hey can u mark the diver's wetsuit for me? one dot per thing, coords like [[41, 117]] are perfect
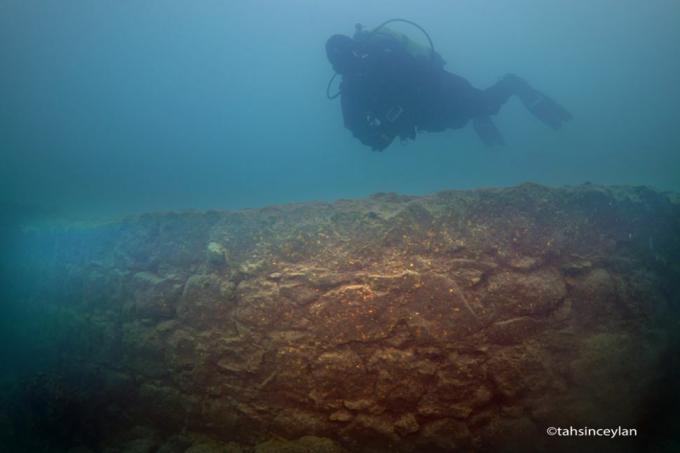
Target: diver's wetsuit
[[389, 92]]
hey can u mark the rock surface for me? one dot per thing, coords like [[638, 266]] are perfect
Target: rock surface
[[461, 321]]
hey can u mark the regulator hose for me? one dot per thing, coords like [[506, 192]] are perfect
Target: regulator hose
[[410, 22], [375, 30], [328, 87]]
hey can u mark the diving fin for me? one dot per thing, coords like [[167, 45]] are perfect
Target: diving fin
[[487, 131], [545, 109]]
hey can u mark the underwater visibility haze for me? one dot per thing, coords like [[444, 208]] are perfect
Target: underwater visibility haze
[[115, 107], [473, 248]]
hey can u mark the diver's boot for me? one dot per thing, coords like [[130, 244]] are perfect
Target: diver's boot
[[544, 108], [487, 131]]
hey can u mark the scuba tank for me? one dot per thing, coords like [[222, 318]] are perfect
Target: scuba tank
[[410, 46], [382, 32]]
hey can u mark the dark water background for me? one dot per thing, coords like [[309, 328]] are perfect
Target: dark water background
[[115, 107]]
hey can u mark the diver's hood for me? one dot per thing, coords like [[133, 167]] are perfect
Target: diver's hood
[[339, 52]]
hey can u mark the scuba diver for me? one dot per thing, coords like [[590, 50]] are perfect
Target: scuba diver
[[393, 87]]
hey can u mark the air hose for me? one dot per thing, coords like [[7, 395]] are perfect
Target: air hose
[[375, 30], [406, 21]]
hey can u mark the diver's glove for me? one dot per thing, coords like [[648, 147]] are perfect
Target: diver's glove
[[376, 132]]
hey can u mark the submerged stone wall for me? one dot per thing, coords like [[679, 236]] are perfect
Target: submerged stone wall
[[461, 321]]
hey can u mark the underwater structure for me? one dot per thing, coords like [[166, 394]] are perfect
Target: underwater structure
[[467, 321]]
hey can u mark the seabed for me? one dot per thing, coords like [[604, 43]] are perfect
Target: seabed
[[464, 321]]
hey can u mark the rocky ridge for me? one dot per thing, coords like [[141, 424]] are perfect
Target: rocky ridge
[[460, 321]]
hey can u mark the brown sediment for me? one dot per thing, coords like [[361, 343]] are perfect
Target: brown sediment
[[460, 321]]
